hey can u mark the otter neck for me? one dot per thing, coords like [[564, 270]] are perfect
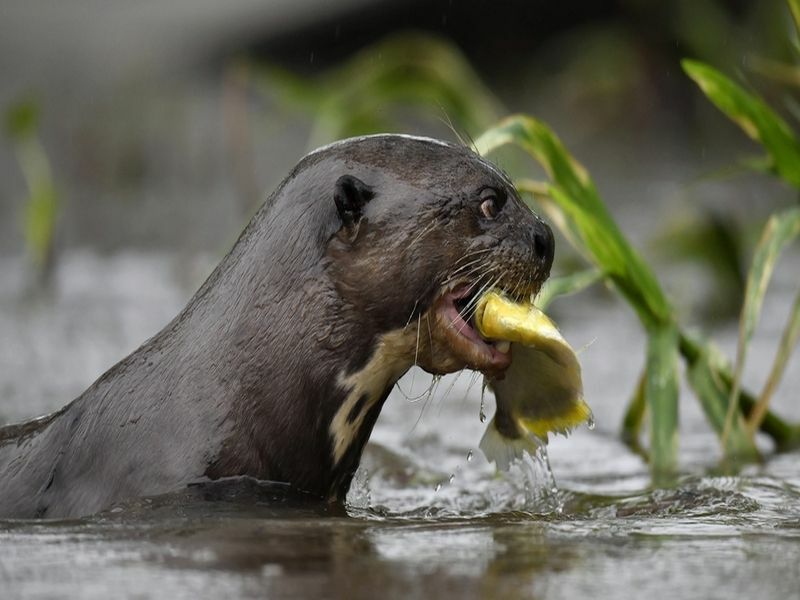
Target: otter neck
[[366, 390], [313, 433]]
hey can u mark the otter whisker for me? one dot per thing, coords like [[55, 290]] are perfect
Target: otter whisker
[[470, 257], [415, 399], [430, 392], [470, 274], [472, 381], [430, 335], [472, 254], [459, 136], [416, 353], [469, 310], [449, 389], [463, 312], [468, 265], [424, 232], [471, 306], [520, 282], [411, 316]]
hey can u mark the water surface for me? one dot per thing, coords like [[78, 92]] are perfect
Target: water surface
[[427, 516]]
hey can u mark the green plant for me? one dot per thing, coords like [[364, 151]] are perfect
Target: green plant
[[41, 206], [782, 146], [406, 75]]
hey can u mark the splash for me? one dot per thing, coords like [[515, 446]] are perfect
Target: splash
[[533, 485], [482, 411], [360, 495]]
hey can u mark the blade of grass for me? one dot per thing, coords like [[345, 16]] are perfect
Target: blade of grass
[[785, 435], [41, 208], [661, 392], [633, 419], [753, 115], [781, 228], [564, 286], [788, 341], [704, 376], [794, 7]]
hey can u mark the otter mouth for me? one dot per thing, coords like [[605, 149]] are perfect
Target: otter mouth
[[454, 312]]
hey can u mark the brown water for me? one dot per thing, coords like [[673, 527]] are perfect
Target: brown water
[[427, 516]]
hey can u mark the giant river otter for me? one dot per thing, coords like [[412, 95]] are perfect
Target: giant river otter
[[361, 264]]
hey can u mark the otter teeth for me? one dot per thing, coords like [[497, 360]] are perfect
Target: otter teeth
[[503, 346]]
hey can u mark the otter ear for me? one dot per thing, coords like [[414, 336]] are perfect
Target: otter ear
[[351, 195]]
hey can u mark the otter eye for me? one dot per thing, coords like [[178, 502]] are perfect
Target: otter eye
[[490, 204]]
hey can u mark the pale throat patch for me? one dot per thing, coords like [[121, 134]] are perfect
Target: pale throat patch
[[393, 356]]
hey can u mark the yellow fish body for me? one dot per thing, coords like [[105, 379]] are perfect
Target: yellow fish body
[[542, 390]]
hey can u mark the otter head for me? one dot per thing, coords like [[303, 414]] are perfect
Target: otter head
[[425, 227]]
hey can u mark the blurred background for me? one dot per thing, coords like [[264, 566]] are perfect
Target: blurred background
[[140, 137], [165, 123]]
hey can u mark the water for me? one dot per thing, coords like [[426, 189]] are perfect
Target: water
[[427, 516]]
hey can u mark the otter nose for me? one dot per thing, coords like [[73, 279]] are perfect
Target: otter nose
[[544, 244]]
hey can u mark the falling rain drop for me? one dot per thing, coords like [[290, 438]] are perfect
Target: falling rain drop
[[452, 477], [438, 487], [469, 456]]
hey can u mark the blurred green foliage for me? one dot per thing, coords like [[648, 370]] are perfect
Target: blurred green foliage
[[41, 205], [404, 77]]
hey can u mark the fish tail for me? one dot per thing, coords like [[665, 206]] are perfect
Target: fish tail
[[504, 450]]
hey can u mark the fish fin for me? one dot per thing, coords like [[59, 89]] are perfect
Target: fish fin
[[574, 413], [503, 450]]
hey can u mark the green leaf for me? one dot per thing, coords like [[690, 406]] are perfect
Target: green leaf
[[40, 222], [705, 376], [372, 90], [794, 7], [564, 286], [785, 435], [661, 391], [753, 115], [21, 119], [780, 229], [634, 416], [586, 217], [791, 333]]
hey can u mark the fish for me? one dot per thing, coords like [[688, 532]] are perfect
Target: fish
[[541, 392]]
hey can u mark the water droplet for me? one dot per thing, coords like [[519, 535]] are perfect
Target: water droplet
[[452, 477], [469, 456], [590, 422], [438, 487], [482, 412]]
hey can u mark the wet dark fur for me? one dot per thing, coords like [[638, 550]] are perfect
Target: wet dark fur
[[244, 381]]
